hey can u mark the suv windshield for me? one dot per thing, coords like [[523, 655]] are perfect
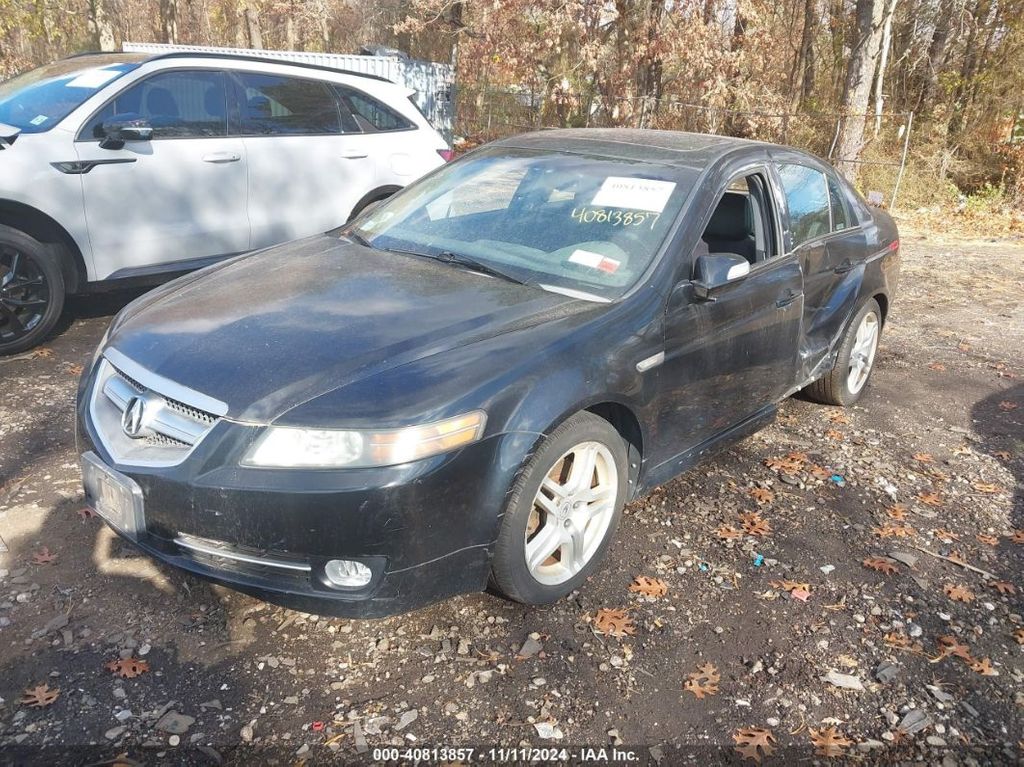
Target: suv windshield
[[39, 99], [567, 222]]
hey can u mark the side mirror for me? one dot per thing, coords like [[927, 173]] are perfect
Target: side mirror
[[711, 272], [118, 130]]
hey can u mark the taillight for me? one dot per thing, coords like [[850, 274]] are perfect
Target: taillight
[[446, 154], [894, 245]]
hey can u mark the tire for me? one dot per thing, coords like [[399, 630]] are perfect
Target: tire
[[839, 386], [32, 294], [574, 524]]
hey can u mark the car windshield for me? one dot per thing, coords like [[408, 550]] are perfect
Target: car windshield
[[39, 99], [577, 224]]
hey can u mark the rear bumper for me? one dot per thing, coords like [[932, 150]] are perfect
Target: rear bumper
[[424, 529]]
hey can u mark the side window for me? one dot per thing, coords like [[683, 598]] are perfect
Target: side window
[[742, 222], [841, 218], [179, 104], [276, 105], [808, 201], [371, 115]]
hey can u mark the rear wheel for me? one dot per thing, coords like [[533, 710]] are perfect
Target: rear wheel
[[31, 290], [845, 382], [563, 512]]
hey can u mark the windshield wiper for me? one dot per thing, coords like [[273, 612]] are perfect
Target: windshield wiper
[[468, 262]]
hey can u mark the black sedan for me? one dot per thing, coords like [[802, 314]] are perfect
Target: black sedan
[[466, 385]]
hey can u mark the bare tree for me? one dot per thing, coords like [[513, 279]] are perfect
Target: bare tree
[[883, 62], [101, 26], [860, 71]]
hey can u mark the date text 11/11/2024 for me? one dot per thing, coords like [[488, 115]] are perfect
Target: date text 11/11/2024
[[502, 754]]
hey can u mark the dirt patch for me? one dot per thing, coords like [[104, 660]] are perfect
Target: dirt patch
[[803, 636]]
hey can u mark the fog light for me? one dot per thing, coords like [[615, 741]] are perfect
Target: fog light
[[345, 572]]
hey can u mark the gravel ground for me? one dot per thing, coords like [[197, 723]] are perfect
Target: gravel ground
[[801, 634]]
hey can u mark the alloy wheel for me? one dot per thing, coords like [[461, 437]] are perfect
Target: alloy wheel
[[862, 354], [24, 294], [571, 513]]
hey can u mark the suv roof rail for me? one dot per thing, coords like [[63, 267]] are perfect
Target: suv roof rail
[[235, 57]]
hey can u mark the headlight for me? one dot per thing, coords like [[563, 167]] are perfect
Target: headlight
[[290, 447]]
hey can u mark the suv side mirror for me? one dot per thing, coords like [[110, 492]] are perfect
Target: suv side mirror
[[711, 272], [118, 130]]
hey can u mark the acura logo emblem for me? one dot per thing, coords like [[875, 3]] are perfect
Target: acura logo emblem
[[131, 418]]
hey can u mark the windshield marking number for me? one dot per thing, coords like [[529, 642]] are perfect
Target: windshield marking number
[[587, 215]]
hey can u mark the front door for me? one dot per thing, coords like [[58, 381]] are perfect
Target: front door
[[176, 198], [730, 357]]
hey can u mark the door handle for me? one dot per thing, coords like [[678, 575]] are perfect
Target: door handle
[[221, 157], [790, 297], [353, 155], [844, 267]]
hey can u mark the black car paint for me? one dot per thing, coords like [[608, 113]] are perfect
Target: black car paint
[[325, 332]]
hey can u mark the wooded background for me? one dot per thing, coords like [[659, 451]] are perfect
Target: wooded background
[[840, 77]]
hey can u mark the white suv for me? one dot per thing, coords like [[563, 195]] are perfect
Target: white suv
[[122, 165]]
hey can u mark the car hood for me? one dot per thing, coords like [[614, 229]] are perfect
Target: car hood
[[277, 328]]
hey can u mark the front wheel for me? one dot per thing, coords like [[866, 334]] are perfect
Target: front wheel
[[844, 383], [563, 511], [31, 291]]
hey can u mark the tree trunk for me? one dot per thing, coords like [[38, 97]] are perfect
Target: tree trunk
[[101, 26], [252, 23], [803, 83], [860, 72], [169, 20], [936, 55], [883, 61]]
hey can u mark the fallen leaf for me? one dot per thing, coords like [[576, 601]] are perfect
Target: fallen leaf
[[784, 465], [74, 370], [833, 434], [40, 696], [44, 557], [936, 366], [796, 455], [983, 667], [829, 742], [930, 499], [1003, 455], [901, 640], [753, 743], [728, 532], [761, 495], [614, 622], [649, 587], [884, 566], [894, 531], [1004, 587], [984, 487], [1017, 536], [1019, 636], [819, 472], [86, 513], [946, 535], [801, 595], [43, 352], [754, 524], [923, 457], [957, 558], [128, 668], [897, 511], [958, 593], [839, 417], [1006, 406], [704, 681], [950, 646], [988, 540]]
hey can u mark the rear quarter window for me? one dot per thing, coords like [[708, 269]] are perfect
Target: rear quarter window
[[370, 114]]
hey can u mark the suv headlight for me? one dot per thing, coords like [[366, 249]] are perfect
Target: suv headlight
[[291, 447]]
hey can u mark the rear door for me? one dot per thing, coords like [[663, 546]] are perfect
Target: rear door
[[308, 162], [831, 249], [180, 196]]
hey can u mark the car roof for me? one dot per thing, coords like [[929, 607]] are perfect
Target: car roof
[[145, 58], [676, 148]]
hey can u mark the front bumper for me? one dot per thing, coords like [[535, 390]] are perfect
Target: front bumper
[[424, 529]]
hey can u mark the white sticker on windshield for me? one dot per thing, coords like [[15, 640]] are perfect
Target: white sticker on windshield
[[39, 119], [635, 193], [594, 261], [92, 78]]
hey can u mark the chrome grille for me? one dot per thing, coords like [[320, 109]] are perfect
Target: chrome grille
[[166, 421]]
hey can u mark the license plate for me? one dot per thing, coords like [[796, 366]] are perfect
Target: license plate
[[112, 495]]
